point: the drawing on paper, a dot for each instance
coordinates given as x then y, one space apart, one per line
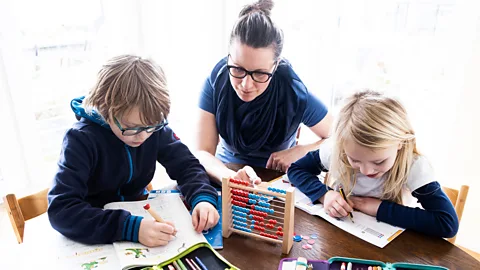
94 264
139 252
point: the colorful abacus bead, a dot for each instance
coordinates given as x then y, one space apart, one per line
239 203
269 235
279 233
280 228
239 218
238 213
277 190
272 221
241 228
264 204
270 226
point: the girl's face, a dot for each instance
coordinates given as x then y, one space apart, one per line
371 163
250 59
130 120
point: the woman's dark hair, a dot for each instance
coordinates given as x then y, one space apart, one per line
254 27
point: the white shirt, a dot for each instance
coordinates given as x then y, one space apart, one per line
421 173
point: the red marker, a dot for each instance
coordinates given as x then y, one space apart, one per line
153 213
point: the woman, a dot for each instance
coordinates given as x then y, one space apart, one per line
254 100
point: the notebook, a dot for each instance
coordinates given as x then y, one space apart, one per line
213 235
365 227
128 255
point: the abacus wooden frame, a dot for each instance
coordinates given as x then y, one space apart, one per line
288 218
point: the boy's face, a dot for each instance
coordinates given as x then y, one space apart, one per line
371 163
130 120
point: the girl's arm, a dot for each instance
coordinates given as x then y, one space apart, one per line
303 174
439 217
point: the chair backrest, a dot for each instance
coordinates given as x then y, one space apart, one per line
24 209
458 199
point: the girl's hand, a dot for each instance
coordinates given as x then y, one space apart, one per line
335 205
247 174
204 216
282 160
367 205
153 233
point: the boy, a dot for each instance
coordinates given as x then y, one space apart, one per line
110 155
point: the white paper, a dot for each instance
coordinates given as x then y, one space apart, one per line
365 227
171 208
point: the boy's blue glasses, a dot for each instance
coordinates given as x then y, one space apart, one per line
136 130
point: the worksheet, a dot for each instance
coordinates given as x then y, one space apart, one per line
364 226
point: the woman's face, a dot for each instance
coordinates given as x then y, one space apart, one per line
245 58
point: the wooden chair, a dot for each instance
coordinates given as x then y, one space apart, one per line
458 198
149 187
24 209
27 208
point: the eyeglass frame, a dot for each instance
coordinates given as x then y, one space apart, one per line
141 129
248 72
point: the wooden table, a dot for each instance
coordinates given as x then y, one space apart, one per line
411 247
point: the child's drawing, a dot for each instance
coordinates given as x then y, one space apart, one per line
139 252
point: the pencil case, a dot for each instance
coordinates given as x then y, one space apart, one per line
207 255
335 263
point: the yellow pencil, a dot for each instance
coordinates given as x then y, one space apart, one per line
345 198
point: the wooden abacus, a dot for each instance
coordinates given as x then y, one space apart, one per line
246 210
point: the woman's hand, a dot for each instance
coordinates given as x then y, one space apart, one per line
335 205
247 174
153 233
282 160
204 216
367 205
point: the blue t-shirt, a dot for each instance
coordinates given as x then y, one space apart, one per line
251 131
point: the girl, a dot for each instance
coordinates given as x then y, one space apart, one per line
253 103
373 156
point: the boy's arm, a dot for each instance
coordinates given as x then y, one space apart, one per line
303 174
183 166
439 217
68 211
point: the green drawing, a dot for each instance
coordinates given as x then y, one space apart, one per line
138 252
94 264
90 265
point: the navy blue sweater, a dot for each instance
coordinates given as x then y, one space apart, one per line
438 218
96 168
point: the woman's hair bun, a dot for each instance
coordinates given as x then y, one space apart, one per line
264 6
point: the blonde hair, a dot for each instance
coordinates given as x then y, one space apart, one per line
375 121
126 82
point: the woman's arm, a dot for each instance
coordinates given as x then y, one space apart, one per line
439 217
207 140
283 159
322 130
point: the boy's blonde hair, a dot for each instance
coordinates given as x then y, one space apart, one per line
128 81
375 121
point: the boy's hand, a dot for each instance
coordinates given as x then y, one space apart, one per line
153 233
335 205
247 173
367 205
204 216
